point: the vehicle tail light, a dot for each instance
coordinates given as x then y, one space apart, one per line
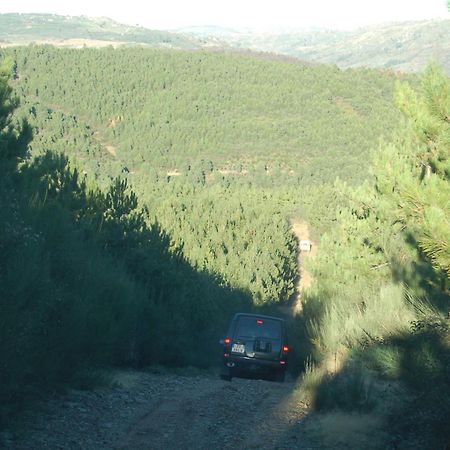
226 355
259 322
285 348
227 341
282 363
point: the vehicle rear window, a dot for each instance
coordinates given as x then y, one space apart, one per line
252 327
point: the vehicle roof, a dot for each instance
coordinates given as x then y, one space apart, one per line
258 316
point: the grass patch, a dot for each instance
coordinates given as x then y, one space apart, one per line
350 390
310 381
386 360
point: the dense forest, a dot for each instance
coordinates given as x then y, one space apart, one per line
187 129
169 109
144 192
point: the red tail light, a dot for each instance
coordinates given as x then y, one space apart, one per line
227 341
285 348
282 363
259 322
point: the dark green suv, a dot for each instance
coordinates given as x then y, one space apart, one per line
255 344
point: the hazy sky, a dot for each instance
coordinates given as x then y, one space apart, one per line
258 14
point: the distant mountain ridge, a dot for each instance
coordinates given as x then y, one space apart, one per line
405 46
73 31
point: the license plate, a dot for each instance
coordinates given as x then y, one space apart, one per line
238 348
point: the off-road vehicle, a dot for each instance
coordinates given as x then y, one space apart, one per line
255 344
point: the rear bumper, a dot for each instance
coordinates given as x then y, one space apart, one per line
252 364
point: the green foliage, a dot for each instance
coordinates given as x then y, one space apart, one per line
371 248
7 105
385 267
422 188
348 391
238 234
85 281
421 359
385 359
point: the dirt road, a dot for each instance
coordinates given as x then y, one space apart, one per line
167 411
305 279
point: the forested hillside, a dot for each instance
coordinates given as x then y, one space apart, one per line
165 109
403 46
144 192
221 150
188 129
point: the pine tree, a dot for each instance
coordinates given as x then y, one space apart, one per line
415 175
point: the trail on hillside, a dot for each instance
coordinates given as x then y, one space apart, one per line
111 149
304 279
98 134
